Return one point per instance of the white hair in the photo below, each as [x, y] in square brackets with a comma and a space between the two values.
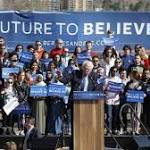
[87, 63]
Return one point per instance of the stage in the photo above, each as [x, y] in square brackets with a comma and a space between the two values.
[126, 142]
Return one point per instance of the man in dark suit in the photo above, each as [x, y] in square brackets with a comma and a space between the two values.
[30, 133]
[80, 80]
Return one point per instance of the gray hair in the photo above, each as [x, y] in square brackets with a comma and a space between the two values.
[59, 40]
[87, 63]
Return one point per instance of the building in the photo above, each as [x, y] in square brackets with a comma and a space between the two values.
[60, 5]
[80, 5]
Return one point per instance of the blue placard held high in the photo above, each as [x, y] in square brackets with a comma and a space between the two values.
[26, 57]
[40, 91]
[7, 71]
[135, 96]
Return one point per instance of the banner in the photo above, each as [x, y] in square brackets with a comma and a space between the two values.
[40, 91]
[115, 87]
[88, 95]
[135, 96]
[56, 90]
[26, 57]
[7, 71]
[75, 28]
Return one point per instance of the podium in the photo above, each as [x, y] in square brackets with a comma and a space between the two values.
[88, 121]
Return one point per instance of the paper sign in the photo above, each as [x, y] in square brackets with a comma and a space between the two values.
[10, 106]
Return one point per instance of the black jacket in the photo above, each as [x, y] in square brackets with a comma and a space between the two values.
[75, 79]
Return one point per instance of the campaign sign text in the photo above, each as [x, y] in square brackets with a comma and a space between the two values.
[22, 108]
[20, 65]
[26, 57]
[56, 90]
[88, 95]
[40, 91]
[135, 96]
[115, 87]
[82, 57]
[46, 62]
[7, 71]
[109, 41]
[75, 28]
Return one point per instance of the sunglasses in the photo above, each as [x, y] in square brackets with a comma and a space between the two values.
[10, 82]
[95, 60]
[14, 60]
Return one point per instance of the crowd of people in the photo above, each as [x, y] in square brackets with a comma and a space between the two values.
[84, 69]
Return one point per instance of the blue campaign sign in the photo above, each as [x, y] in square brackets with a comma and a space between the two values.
[56, 90]
[135, 96]
[115, 87]
[75, 28]
[46, 61]
[26, 57]
[110, 41]
[7, 71]
[23, 108]
[20, 65]
[82, 57]
[40, 91]
[88, 95]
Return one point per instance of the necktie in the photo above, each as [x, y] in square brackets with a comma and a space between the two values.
[84, 83]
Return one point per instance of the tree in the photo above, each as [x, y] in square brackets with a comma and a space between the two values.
[139, 6]
[116, 6]
[107, 4]
[147, 6]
